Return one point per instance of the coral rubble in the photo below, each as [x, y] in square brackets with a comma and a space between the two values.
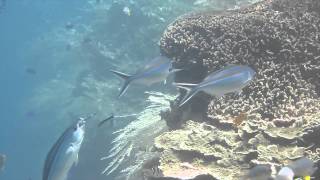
[280, 39]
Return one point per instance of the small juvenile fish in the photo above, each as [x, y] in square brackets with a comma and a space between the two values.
[31, 71]
[30, 114]
[112, 117]
[69, 26]
[126, 10]
[156, 71]
[105, 120]
[259, 172]
[3, 159]
[230, 79]
[64, 153]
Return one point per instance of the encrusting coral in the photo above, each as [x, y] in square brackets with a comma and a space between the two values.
[275, 119]
[200, 148]
[282, 46]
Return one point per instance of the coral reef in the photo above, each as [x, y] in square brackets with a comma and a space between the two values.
[280, 39]
[73, 61]
[203, 149]
[282, 46]
[131, 147]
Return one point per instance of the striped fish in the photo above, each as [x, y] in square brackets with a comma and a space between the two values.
[64, 153]
[232, 78]
[154, 72]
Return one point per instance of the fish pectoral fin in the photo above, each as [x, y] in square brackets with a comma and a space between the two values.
[70, 149]
[76, 159]
[185, 86]
[191, 91]
[121, 74]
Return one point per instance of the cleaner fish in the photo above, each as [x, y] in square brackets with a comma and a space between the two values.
[229, 79]
[155, 71]
[64, 153]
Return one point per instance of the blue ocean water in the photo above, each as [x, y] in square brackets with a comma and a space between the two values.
[21, 23]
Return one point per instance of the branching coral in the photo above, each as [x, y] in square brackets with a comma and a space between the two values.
[137, 136]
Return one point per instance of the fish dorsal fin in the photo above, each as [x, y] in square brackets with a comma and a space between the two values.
[228, 70]
[156, 62]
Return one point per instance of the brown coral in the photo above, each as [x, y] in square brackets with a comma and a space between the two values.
[280, 39]
[282, 45]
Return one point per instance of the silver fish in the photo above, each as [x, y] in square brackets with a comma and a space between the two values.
[303, 167]
[230, 79]
[64, 153]
[2, 161]
[156, 71]
[299, 168]
[259, 172]
[285, 173]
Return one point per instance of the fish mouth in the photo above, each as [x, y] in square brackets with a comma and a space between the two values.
[81, 122]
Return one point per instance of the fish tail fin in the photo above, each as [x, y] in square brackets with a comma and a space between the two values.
[127, 80]
[191, 91]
